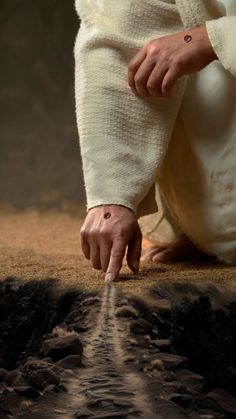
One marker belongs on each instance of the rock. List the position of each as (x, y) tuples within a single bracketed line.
[(162, 344), (123, 302), (141, 327), (83, 414), (65, 374), (176, 387), (27, 391), (91, 301), (33, 364), (56, 389), (61, 330), (163, 307), (78, 327), (132, 342), (224, 401), (13, 377), (173, 362), (154, 351), (129, 359), (60, 411), (61, 347), (70, 362), (155, 364), (127, 311), (2, 374), (169, 376), (40, 378), (48, 360), (9, 401), (122, 403), (192, 381), (181, 399)]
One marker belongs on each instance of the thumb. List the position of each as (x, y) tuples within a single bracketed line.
[(134, 250)]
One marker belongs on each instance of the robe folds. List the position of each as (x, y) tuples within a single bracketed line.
[(130, 145)]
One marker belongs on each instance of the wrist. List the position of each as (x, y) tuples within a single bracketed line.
[(210, 50), (110, 207)]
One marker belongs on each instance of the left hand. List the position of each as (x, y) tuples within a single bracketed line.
[(156, 67)]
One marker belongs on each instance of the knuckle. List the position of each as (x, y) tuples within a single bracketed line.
[(116, 253), (84, 232), (138, 81), (151, 85), (94, 233), (153, 47), (176, 63), (105, 232)]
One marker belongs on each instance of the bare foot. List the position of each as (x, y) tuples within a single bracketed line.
[(181, 249)]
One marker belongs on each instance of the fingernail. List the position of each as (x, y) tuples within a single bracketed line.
[(109, 277)]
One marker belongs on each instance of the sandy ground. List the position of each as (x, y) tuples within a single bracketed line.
[(42, 244)]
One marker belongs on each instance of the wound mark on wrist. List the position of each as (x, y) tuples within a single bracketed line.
[(188, 38), (107, 215)]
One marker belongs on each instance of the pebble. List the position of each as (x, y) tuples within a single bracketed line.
[(193, 381), (140, 327), (171, 361), (78, 327), (182, 400), (127, 311), (129, 359), (61, 347), (70, 362), (132, 342), (162, 344), (122, 403), (13, 377), (163, 307), (223, 400), (155, 364), (60, 411), (40, 378)]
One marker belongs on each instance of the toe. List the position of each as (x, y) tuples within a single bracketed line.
[(150, 253), (163, 256)]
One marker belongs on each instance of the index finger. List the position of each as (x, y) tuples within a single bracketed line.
[(134, 66), (115, 263)]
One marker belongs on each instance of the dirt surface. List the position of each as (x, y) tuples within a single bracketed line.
[(159, 344), (45, 244)]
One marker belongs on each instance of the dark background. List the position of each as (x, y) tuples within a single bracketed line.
[(39, 149)]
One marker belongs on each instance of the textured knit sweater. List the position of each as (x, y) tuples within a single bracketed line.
[(124, 138)]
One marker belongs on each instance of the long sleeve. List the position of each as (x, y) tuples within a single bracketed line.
[(123, 138), (220, 19), (222, 34)]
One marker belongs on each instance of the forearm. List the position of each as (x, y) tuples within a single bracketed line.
[(123, 139)]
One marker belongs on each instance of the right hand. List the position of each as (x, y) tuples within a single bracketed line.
[(104, 240)]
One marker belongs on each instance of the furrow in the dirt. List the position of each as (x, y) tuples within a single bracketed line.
[(109, 389)]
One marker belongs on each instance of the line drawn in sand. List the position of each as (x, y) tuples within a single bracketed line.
[(111, 389)]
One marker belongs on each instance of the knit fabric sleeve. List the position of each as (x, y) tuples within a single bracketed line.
[(123, 138), (222, 34)]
